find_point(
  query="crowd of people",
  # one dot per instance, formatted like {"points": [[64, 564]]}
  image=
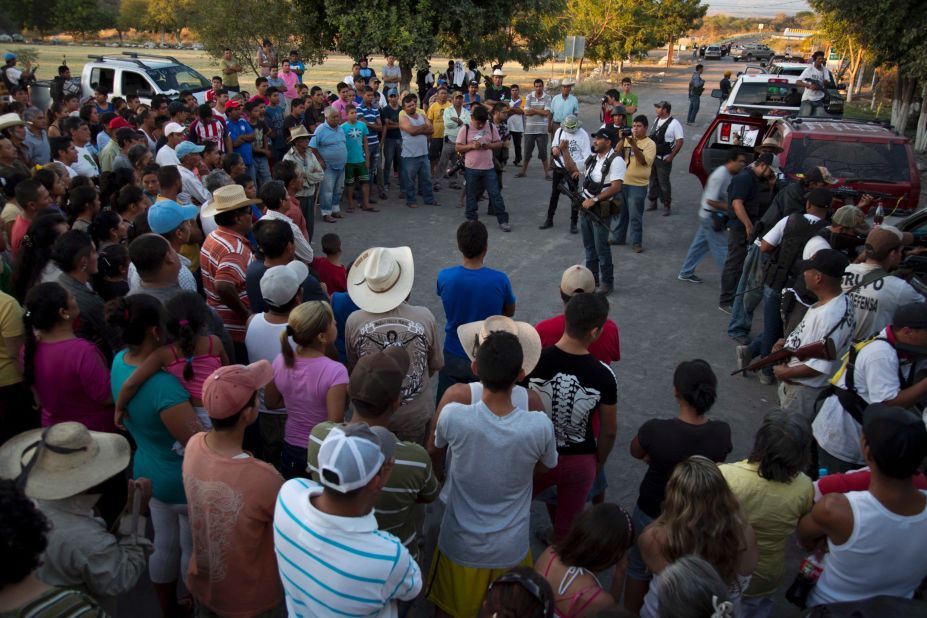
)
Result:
{"points": [[193, 392]]}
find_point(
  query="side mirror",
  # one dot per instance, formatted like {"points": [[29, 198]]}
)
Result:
{"points": [[716, 93]]}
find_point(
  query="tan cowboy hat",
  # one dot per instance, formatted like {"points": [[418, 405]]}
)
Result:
{"points": [[567, 81], [772, 143], [63, 460], [297, 133], [381, 278], [10, 120], [224, 199], [473, 334]]}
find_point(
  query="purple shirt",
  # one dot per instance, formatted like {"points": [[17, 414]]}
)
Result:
{"points": [[72, 384], [304, 387]]}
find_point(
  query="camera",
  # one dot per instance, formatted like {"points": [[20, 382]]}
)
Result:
{"points": [[624, 132]]}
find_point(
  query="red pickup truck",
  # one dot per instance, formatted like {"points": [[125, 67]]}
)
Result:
{"points": [[863, 156]]}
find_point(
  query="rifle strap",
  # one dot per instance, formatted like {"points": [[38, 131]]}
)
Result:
{"points": [[869, 278]]}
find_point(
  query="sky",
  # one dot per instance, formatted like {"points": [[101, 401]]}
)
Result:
{"points": [[751, 8]]}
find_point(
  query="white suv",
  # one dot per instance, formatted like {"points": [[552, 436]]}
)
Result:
{"points": [[144, 75]]}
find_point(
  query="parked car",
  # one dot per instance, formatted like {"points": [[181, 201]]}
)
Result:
{"points": [[863, 156], [751, 52], [144, 75], [760, 93], [713, 52]]}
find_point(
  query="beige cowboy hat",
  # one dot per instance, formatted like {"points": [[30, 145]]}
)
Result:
{"points": [[772, 143], [473, 334], [381, 278], [63, 460], [297, 133], [224, 199], [567, 81], [10, 120], [498, 73]]}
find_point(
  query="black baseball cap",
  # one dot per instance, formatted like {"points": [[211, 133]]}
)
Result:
{"points": [[606, 133], [897, 439], [828, 262], [912, 315], [820, 198]]}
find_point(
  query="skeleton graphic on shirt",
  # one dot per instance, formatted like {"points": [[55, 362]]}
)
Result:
{"points": [[569, 404], [389, 332]]}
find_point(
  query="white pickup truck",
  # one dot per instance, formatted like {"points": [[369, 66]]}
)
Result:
{"points": [[143, 75]]}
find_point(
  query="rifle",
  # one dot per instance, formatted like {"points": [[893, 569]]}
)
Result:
{"points": [[844, 192], [823, 349], [577, 200]]}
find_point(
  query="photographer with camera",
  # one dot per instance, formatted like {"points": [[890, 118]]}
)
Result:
{"points": [[639, 153], [571, 144]]}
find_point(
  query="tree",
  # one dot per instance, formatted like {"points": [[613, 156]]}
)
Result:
{"points": [[848, 45], [673, 18], [613, 30], [83, 17], [133, 14], [18, 15], [168, 16]]}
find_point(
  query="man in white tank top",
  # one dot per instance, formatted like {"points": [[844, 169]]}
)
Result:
{"points": [[875, 538]]}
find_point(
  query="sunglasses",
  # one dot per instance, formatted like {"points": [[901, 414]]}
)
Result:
{"points": [[514, 577]]}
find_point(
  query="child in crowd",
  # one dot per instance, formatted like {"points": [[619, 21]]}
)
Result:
{"points": [[329, 268], [355, 171], [111, 280]]}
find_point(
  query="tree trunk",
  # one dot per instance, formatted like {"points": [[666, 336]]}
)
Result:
{"points": [[405, 75], [859, 81], [163, 34], [920, 135], [901, 103], [669, 51], [873, 87], [579, 69]]}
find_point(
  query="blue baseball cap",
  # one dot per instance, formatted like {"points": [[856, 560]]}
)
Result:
{"points": [[167, 215], [185, 148], [9, 56]]}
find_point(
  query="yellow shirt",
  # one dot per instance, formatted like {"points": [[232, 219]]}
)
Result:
{"points": [[773, 509], [11, 326], [435, 114], [638, 175]]}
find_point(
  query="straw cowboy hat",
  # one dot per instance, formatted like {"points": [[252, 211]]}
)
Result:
{"points": [[62, 460], [381, 278], [473, 334], [10, 120], [772, 143], [297, 133], [224, 199]]}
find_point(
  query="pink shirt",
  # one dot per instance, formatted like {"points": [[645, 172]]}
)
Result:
{"points": [[339, 105], [291, 80], [72, 384], [481, 158], [304, 388]]}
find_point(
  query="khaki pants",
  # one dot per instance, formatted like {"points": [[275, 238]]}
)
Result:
{"points": [[799, 399]]}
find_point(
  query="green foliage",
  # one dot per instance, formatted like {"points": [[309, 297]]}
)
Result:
{"points": [[133, 14], [19, 15], [83, 17], [613, 30], [674, 18]]}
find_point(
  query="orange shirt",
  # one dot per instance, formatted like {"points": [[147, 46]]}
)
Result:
{"points": [[225, 257]]}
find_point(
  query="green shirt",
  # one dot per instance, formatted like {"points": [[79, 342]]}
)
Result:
{"points": [[411, 481], [628, 100]]}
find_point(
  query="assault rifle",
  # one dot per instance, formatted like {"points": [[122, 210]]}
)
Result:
{"points": [[823, 349], [577, 199], [844, 192]]}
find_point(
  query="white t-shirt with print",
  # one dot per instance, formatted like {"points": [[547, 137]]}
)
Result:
{"points": [[814, 244], [876, 380], [85, 164], [579, 145], [812, 73], [817, 323], [875, 304]]}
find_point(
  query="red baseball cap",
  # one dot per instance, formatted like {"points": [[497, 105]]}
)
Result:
{"points": [[119, 123], [230, 388], [232, 104]]}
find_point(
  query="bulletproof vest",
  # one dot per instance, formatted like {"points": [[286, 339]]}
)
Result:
{"points": [[594, 188], [659, 137], [781, 267]]}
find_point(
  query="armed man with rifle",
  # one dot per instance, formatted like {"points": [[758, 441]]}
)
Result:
{"points": [[832, 317], [571, 145], [878, 370], [791, 240], [604, 173]]}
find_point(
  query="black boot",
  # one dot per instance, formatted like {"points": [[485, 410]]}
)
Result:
{"points": [[547, 223]]}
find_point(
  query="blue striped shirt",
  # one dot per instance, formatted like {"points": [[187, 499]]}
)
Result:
{"points": [[338, 566], [370, 114]]}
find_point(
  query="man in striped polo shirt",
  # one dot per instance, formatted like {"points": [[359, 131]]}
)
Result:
{"points": [[333, 560], [375, 390]]}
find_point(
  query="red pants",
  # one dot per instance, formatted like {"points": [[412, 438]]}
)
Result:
{"points": [[573, 477]]}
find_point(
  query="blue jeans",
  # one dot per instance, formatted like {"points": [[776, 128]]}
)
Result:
{"points": [[413, 168], [706, 239], [294, 461], [477, 180], [637, 570], [772, 326], [373, 170], [633, 209], [746, 298], [694, 102], [261, 172], [330, 191], [391, 148], [598, 253]]}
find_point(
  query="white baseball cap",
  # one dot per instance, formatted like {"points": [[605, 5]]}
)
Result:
{"points": [[350, 456], [279, 284], [172, 127]]}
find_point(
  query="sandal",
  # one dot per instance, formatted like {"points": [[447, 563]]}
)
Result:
{"points": [[329, 219], [370, 209]]}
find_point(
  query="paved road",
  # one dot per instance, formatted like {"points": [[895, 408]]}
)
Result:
{"points": [[662, 320]]}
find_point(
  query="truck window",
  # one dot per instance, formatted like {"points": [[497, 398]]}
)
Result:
{"points": [[769, 94], [727, 136], [852, 160], [134, 83], [101, 77]]}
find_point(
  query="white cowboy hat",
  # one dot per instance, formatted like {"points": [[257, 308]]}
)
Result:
{"points": [[297, 133], [473, 334], [498, 73], [10, 120], [568, 81], [381, 278], [224, 199], [63, 460]]}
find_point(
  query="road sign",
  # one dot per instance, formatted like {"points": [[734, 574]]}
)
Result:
{"points": [[574, 47]]}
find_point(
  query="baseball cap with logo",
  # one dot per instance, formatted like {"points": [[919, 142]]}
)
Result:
{"points": [[350, 456], [577, 279], [279, 284], [173, 127], [897, 439], [818, 173], [230, 388], [377, 378], [167, 215], [828, 262], [885, 238]]}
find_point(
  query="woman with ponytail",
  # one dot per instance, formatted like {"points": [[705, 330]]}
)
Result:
{"points": [[67, 374], [191, 356], [34, 264], [83, 205], [307, 382], [663, 443], [108, 228], [158, 415]]}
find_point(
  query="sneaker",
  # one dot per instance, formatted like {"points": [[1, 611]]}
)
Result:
{"points": [[505, 227], [767, 379], [744, 357], [728, 309], [548, 223], [692, 278]]}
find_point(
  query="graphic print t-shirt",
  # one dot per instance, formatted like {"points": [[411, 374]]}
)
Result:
{"points": [[572, 387]]}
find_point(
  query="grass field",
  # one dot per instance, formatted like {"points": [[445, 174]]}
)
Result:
{"points": [[326, 75]]}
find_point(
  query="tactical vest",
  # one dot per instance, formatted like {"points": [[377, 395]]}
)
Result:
{"points": [[659, 137], [781, 268], [609, 207]]}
